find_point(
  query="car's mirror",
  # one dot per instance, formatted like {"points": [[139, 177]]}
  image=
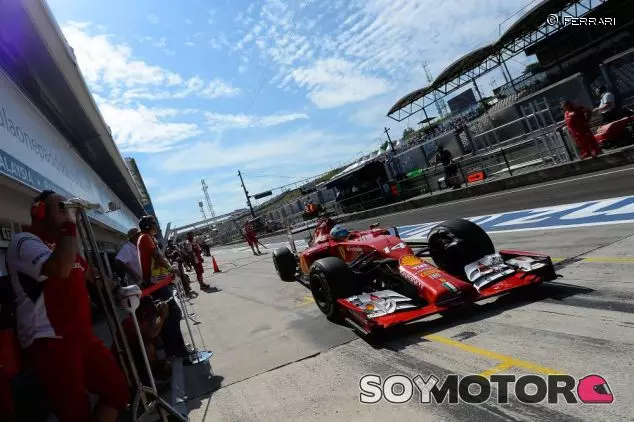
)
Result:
{"points": [[375, 225], [394, 232]]}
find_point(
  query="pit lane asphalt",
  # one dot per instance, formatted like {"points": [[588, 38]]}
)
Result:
{"points": [[277, 358]]}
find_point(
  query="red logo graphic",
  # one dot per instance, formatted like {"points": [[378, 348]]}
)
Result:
{"points": [[594, 389]]}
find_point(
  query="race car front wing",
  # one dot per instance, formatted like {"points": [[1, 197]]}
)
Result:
{"points": [[387, 308]]}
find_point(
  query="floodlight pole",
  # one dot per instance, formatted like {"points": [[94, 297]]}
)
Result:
{"points": [[246, 193], [389, 140]]}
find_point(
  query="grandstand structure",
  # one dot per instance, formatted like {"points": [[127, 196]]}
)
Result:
{"points": [[528, 32]]}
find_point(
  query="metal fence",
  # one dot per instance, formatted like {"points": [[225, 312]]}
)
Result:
{"points": [[548, 147]]}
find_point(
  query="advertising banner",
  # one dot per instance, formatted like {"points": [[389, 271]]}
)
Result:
{"points": [[35, 154]]}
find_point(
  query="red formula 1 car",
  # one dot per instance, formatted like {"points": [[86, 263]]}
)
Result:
{"points": [[374, 280], [618, 133]]}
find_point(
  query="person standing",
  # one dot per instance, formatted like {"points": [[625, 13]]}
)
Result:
{"points": [[127, 260], [252, 239], [607, 107], [195, 255], [54, 322], [577, 117], [444, 157], [155, 267]]}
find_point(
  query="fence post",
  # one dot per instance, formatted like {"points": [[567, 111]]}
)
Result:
{"points": [[462, 173], [506, 161], [431, 192], [563, 140]]}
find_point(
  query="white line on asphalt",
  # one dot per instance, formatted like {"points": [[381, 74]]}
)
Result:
{"points": [[493, 195]]}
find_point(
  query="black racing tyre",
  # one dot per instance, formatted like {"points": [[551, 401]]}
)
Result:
{"points": [[285, 263], [456, 243], [331, 279]]}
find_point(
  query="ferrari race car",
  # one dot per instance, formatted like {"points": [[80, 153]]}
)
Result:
{"points": [[373, 280]]}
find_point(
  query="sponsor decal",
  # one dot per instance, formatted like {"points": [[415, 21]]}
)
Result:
{"points": [[411, 261], [450, 287], [389, 249], [412, 279]]}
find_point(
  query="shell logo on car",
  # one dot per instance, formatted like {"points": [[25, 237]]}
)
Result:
{"points": [[410, 261]]}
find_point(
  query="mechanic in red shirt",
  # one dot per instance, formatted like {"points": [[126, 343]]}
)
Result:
{"points": [[154, 267], [195, 254], [54, 321], [252, 239], [577, 117]]}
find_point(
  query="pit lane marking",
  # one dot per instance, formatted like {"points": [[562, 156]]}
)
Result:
{"points": [[506, 362], [496, 369], [307, 301]]}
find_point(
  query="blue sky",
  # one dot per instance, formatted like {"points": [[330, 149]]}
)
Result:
{"points": [[280, 89]]}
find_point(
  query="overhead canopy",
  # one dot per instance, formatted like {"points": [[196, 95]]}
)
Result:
{"points": [[410, 98], [463, 64], [532, 20]]}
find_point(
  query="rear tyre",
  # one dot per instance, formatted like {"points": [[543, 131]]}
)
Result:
{"points": [[331, 279], [457, 243], [285, 263]]}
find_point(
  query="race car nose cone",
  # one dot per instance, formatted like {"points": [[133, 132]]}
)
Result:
{"points": [[594, 389]]}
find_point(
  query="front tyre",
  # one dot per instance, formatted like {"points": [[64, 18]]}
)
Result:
{"points": [[285, 263], [457, 243], [331, 279]]}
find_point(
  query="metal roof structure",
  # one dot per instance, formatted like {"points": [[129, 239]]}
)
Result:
{"points": [[464, 65], [529, 29], [411, 98], [532, 20]]}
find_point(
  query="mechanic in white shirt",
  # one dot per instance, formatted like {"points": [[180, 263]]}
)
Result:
{"points": [[607, 107], [127, 260]]}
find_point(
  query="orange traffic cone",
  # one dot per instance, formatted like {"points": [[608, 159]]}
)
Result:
{"points": [[215, 264]]}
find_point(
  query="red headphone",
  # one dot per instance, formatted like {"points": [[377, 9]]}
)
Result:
{"points": [[38, 210]]}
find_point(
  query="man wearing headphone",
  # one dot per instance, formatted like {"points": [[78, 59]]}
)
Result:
{"points": [[53, 313], [154, 267]]}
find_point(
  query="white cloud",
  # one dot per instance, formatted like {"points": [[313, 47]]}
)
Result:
{"points": [[217, 88], [279, 152], [190, 43], [106, 64], [153, 19], [242, 68], [367, 42], [142, 129], [218, 122], [335, 82]]}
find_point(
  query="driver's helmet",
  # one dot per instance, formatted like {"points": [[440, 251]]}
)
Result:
{"points": [[339, 232]]}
